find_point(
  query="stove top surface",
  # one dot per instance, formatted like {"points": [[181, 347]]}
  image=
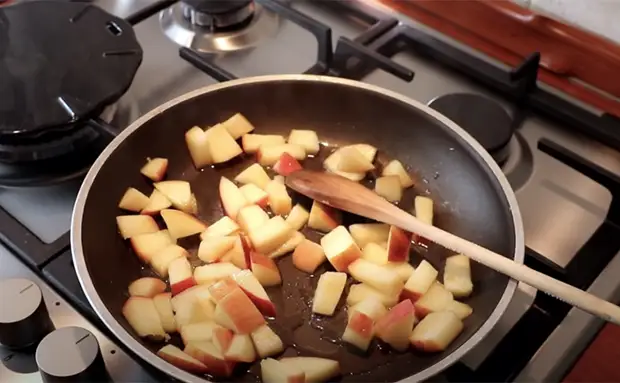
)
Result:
{"points": [[569, 220]]}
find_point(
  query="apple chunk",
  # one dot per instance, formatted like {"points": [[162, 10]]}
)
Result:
{"points": [[375, 253], [146, 287], [389, 187], [222, 146], [364, 233], [353, 161], [371, 306], [437, 298], [255, 195], [396, 168], [209, 355], [424, 212], [198, 331], [251, 217], [265, 269], [288, 246], [271, 235], [180, 275], [211, 249], [157, 202], [177, 357], [237, 313], [221, 288], [155, 169], [160, 262], [395, 327], [286, 165], [272, 371], [179, 193], [298, 217], [193, 305], [328, 291], [460, 309], [254, 174], [241, 349], [323, 218], [181, 224], [436, 331], [133, 200], [142, 316], [308, 256], [268, 155], [266, 342], [221, 228], [359, 331], [331, 165], [255, 291], [252, 142], [163, 305], [340, 249], [239, 255], [197, 143], [380, 277], [399, 242], [308, 139], [316, 369], [211, 273], [231, 197], [361, 292], [403, 269], [238, 125], [279, 200], [457, 276], [147, 245], [133, 225], [419, 282]]}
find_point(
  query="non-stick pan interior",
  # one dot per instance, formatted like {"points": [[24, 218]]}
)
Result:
{"points": [[468, 199]]}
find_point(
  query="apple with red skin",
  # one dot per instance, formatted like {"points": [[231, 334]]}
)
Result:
{"points": [[255, 291], [265, 269], [255, 195], [340, 249], [155, 169], [359, 331], [419, 282], [222, 288], [180, 275], [395, 327], [286, 165], [399, 242], [209, 355], [177, 357], [237, 313]]}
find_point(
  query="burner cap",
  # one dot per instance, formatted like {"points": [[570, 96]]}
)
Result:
{"points": [[61, 62], [216, 6], [486, 120]]}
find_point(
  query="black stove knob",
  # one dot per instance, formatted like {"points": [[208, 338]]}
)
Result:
{"points": [[24, 319], [71, 354]]}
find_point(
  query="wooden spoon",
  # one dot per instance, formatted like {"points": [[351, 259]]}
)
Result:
{"points": [[350, 196]]}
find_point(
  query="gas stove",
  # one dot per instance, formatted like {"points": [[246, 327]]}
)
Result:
{"points": [[561, 157]]}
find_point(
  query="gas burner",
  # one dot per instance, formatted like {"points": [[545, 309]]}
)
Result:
{"points": [[218, 26], [486, 120]]}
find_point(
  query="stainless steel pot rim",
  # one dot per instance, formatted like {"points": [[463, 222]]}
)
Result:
{"points": [[129, 340]]}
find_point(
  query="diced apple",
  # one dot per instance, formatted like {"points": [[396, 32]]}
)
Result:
{"points": [[142, 316], [362, 291], [279, 200], [424, 212], [436, 331], [307, 139], [374, 253], [352, 161], [396, 168], [222, 146], [298, 217], [208, 274], [271, 235], [155, 169], [398, 245], [209, 355], [389, 187], [323, 218], [222, 337], [266, 342], [163, 306], [363, 233], [251, 217], [265, 269], [331, 165], [328, 291], [288, 246], [460, 309], [437, 298], [197, 143], [237, 313], [371, 306], [241, 349], [279, 178], [133, 225], [133, 200], [457, 276], [181, 224], [198, 331], [192, 208], [395, 327], [157, 202], [177, 357], [254, 174], [368, 151], [224, 226], [239, 255], [180, 275], [160, 262], [268, 155], [286, 165], [177, 192], [403, 269], [146, 287], [380, 277], [359, 331], [231, 197], [238, 125], [252, 142], [255, 195], [211, 249], [147, 245], [308, 256], [419, 282], [255, 291], [340, 249], [317, 370], [194, 305], [272, 371], [221, 288]]}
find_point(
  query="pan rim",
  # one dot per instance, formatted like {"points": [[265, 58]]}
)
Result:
{"points": [[128, 339]]}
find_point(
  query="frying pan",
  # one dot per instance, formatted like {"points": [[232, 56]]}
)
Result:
{"points": [[472, 197]]}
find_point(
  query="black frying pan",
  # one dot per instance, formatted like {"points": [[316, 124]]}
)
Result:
{"points": [[473, 200]]}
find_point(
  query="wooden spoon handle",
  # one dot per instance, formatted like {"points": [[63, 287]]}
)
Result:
{"points": [[540, 281]]}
